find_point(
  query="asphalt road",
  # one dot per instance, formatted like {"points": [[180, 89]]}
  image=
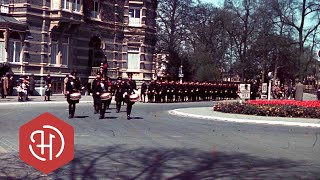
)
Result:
{"points": [[157, 145]]}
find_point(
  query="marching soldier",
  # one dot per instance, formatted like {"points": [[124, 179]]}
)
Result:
{"points": [[151, 91], [177, 92], [110, 90], [143, 93], [129, 87], [96, 98], [118, 93], [170, 91], [73, 93], [101, 88], [158, 91], [163, 91]]}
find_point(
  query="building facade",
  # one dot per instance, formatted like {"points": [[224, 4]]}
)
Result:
{"points": [[55, 37]]}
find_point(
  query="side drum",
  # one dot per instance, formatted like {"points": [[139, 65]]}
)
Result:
{"points": [[75, 96], [105, 96], [134, 97]]}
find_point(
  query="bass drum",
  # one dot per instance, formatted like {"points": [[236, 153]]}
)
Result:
{"points": [[105, 96], [75, 96], [134, 97]]}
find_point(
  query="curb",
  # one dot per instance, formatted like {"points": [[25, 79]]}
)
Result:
{"points": [[215, 118]]}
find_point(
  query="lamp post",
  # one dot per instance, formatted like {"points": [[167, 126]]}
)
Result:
{"points": [[180, 74], [269, 87]]}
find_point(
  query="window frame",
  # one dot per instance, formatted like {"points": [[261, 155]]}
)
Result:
{"points": [[15, 42], [95, 14], [64, 5], [136, 51], [57, 7], [56, 54], [65, 49], [76, 6], [133, 18], [3, 52]]}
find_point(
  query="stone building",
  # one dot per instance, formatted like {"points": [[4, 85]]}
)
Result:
{"points": [[58, 36]]}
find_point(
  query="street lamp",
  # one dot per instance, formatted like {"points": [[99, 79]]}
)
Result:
{"points": [[270, 76], [180, 73]]}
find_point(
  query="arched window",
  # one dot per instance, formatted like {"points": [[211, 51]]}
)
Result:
{"points": [[14, 47]]}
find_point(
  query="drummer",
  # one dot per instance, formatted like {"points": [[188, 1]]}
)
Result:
{"points": [[129, 87], [118, 93], [96, 98], [73, 86], [101, 89]]}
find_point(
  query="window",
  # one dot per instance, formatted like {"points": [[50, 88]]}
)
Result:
{"points": [[66, 4], [65, 54], [133, 61], [2, 51], [134, 17], [55, 4], [54, 52], [96, 9], [14, 50], [76, 7]]}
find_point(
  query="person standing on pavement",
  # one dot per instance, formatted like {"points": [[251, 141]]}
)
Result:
{"points": [[31, 85], [95, 96], [47, 92], [73, 93], [5, 86], [299, 91]]}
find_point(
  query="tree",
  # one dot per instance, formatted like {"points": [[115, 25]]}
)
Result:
{"points": [[171, 30], [241, 30], [295, 14]]}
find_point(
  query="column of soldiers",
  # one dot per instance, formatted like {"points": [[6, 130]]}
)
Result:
{"points": [[122, 90], [165, 91]]}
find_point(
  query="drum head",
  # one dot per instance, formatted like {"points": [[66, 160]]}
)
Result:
{"points": [[75, 96], [106, 96], [134, 97]]}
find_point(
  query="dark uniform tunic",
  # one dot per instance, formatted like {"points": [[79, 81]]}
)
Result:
{"points": [[73, 86], [118, 93], [129, 87], [96, 98], [101, 88]]}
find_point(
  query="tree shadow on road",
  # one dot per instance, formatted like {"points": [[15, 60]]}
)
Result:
{"points": [[121, 162]]}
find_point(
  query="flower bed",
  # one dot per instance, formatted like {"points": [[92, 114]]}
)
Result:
{"points": [[278, 108], [308, 104]]}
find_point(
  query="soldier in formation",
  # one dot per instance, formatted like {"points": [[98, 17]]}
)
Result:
{"points": [[168, 92]]}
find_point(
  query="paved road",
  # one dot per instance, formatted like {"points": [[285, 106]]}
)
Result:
{"points": [[157, 145]]}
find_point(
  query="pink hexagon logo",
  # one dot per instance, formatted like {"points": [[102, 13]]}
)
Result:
{"points": [[46, 143]]}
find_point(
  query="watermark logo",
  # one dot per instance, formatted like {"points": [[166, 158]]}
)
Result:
{"points": [[46, 143]]}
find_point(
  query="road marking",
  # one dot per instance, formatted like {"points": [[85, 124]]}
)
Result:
{"points": [[216, 118]]}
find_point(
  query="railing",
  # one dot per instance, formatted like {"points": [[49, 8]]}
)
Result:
{"points": [[112, 72]]}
